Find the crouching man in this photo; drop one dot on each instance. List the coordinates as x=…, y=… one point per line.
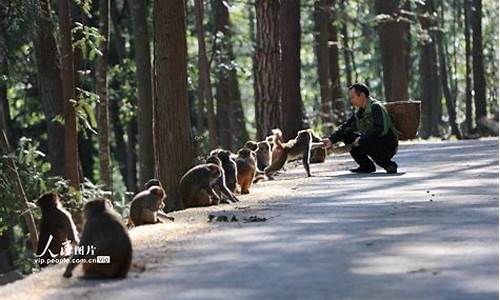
x=370, y=131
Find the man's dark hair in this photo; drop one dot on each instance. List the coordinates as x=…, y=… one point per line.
x=360, y=88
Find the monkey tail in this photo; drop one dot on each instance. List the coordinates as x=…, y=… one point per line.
x=259, y=178
x=277, y=138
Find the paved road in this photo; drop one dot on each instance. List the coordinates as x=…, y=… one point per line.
x=429, y=232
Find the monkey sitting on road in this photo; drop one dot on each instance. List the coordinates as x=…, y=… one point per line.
x=318, y=155
x=300, y=147
x=263, y=155
x=146, y=206
x=246, y=165
x=56, y=222
x=220, y=186
x=229, y=166
x=196, y=186
x=106, y=235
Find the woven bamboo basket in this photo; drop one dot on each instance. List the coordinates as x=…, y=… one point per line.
x=406, y=117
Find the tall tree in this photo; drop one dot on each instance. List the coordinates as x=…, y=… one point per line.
x=268, y=114
x=478, y=62
x=253, y=40
x=138, y=11
x=468, y=72
x=393, y=38
x=49, y=84
x=172, y=123
x=333, y=50
x=232, y=132
x=431, y=93
x=121, y=148
x=444, y=67
x=292, y=107
x=68, y=89
x=321, y=19
x=102, y=92
x=204, y=83
x=345, y=45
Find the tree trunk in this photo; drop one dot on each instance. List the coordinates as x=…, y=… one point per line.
x=68, y=89
x=450, y=99
x=171, y=111
x=291, y=102
x=338, y=106
x=223, y=63
x=346, y=48
x=321, y=17
x=50, y=85
x=23, y=200
x=431, y=106
x=131, y=180
x=251, y=25
x=204, y=82
x=268, y=67
x=232, y=131
x=102, y=92
x=5, y=118
x=119, y=149
x=468, y=79
x=138, y=10
x=393, y=34
x=478, y=62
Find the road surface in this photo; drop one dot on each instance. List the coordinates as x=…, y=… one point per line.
x=428, y=232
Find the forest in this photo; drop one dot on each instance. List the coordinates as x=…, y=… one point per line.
x=97, y=97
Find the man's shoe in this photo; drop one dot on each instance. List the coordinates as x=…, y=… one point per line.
x=363, y=170
x=392, y=168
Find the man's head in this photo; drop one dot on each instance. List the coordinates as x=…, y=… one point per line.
x=358, y=95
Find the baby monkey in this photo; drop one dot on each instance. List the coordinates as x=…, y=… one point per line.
x=146, y=207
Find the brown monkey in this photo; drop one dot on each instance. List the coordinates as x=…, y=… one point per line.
x=275, y=150
x=318, y=154
x=300, y=147
x=196, y=186
x=147, y=205
x=263, y=155
x=252, y=145
x=245, y=162
x=220, y=186
x=229, y=166
x=104, y=234
x=56, y=222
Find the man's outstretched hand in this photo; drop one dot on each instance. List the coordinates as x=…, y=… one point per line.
x=326, y=143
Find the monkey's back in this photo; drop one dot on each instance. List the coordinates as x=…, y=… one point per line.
x=230, y=172
x=58, y=223
x=191, y=184
x=110, y=237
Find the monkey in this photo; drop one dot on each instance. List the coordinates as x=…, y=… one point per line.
x=229, y=166
x=147, y=205
x=246, y=165
x=263, y=155
x=300, y=147
x=220, y=186
x=58, y=223
x=105, y=235
x=196, y=186
x=275, y=150
x=318, y=155
x=252, y=145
